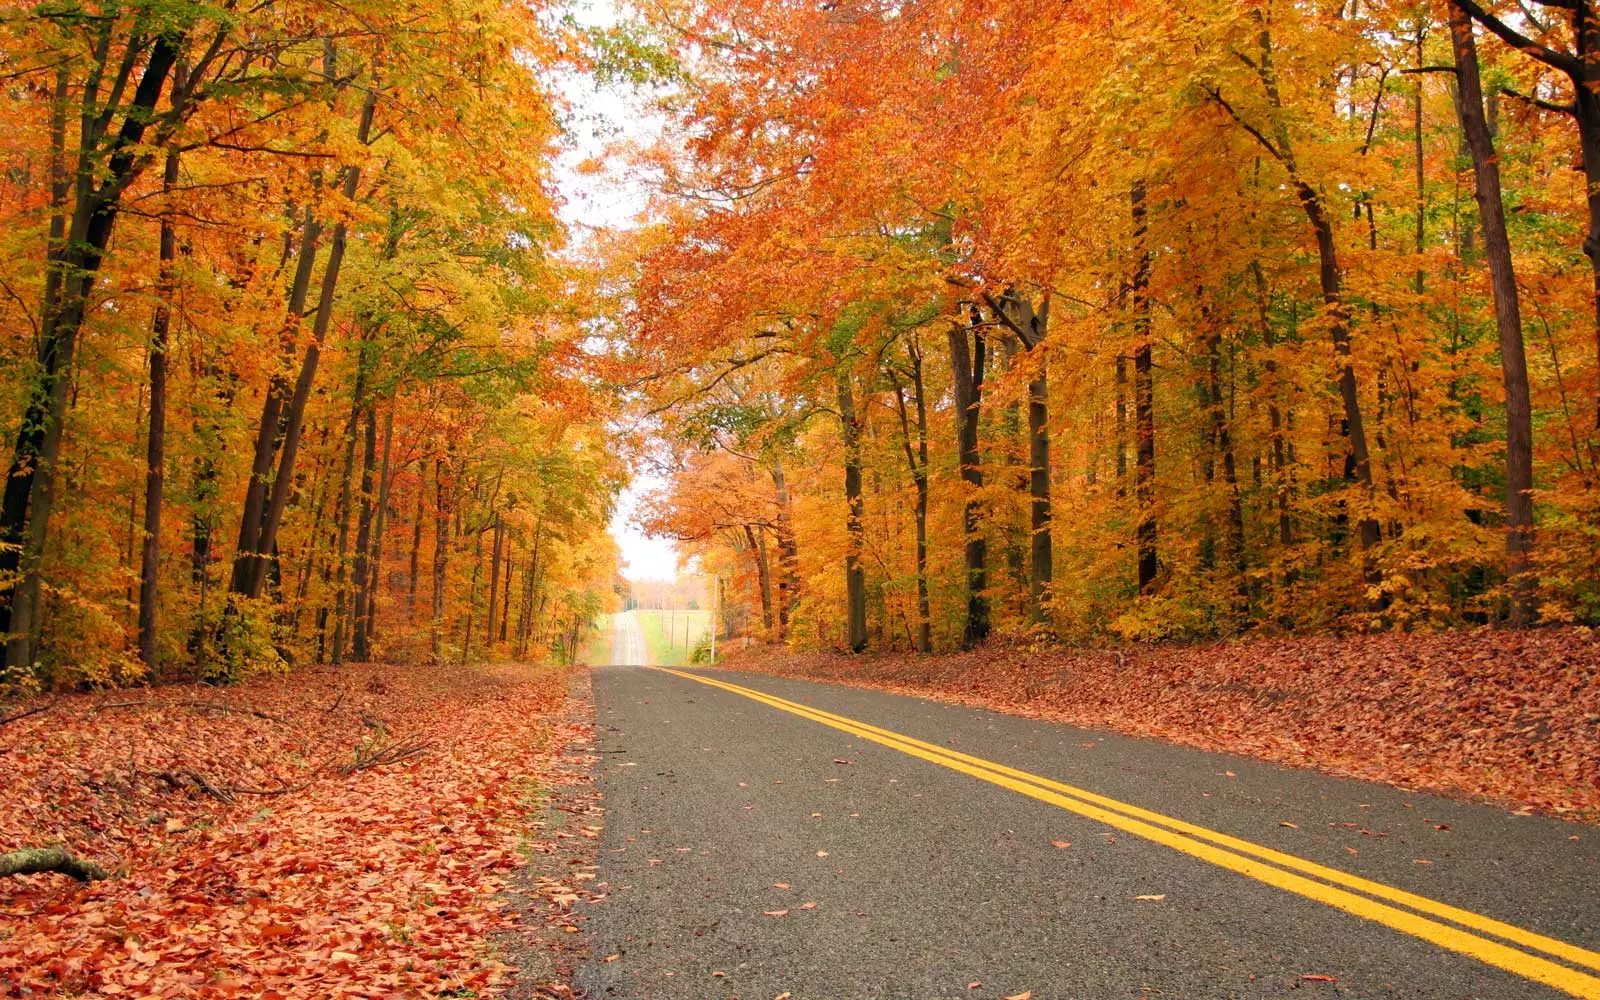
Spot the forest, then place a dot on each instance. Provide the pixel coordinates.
(292, 359)
(1212, 373)
(1122, 321)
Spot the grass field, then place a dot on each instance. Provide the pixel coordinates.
(672, 636)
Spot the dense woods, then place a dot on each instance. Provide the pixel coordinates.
(1127, 320)
(292, 366)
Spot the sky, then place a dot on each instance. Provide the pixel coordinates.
(611, 199)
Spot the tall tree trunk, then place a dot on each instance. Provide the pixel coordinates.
(1221, 443)
(1508, 320)
(1144, 463)
(363, 565)
(30, 487)
(917, 459)
(966, 365)
(156, 437)
(505, 601)
(854, 574)
(250, 579)
(494, 584)
(1358, 465)
(788, 550)
(441, 557)
(374, 574)
(341, 558)
(758, 552)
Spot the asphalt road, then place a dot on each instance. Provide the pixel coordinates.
(897, 876)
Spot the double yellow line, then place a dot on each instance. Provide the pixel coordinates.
(1518, 951)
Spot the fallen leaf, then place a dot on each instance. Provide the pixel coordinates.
(808, 906)
(611, 958)
(841, 760)
(719, 975)
(1292, 826)
(774, 913)
(1061, 843)
(783, 996)
(1351, 850)
(1021, 996)
(781, 885)
(1423, 861)
(1316, 978)
(974, 984)
(1158, 897)
(822, 854)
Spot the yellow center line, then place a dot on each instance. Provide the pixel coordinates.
(1242, 857)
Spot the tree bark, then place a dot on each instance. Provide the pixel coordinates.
(38, 860)
(156, 437)
(374, 573)
(966, 365)
(362, 571)
(494, 583)
(788, 550)
(441, 557)
(1144, 463)
(854, 573)
(29, 494)
(917, 459)
(1508, 320)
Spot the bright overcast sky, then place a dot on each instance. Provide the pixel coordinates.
(603, 117)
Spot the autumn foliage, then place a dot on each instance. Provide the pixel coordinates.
(1125, 320)
(291, 365)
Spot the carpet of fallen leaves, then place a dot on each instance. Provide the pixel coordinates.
(336, 832)
(1508, 717)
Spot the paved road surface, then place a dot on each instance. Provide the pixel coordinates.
(914, 874)
(627, 640)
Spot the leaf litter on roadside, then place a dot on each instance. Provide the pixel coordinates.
(301, 872)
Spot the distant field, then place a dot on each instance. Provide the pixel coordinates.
(672, 636)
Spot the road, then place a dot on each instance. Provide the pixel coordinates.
(627, 640)
(755, 847)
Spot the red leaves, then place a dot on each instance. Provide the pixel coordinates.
(1498, 714)
(379, 883)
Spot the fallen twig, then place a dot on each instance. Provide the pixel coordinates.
(27, 712)
(390, 753)
(37, 860)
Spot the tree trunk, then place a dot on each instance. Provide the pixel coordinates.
(1508, 320)
(854, 574)
(758, 552)
(375, 572)
(156, 439)
(966, 366)
(363, 564)
(253, 575)
(441, 556)
(917, 459)
(341, 561)
(30, 488)
(505, 601)
(1144, 463)
(494, 584)
(788, 550)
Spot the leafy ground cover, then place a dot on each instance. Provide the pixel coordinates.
(348, 832)
(1505, 716)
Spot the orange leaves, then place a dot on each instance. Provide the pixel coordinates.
(382, 881)
(1496, 714)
